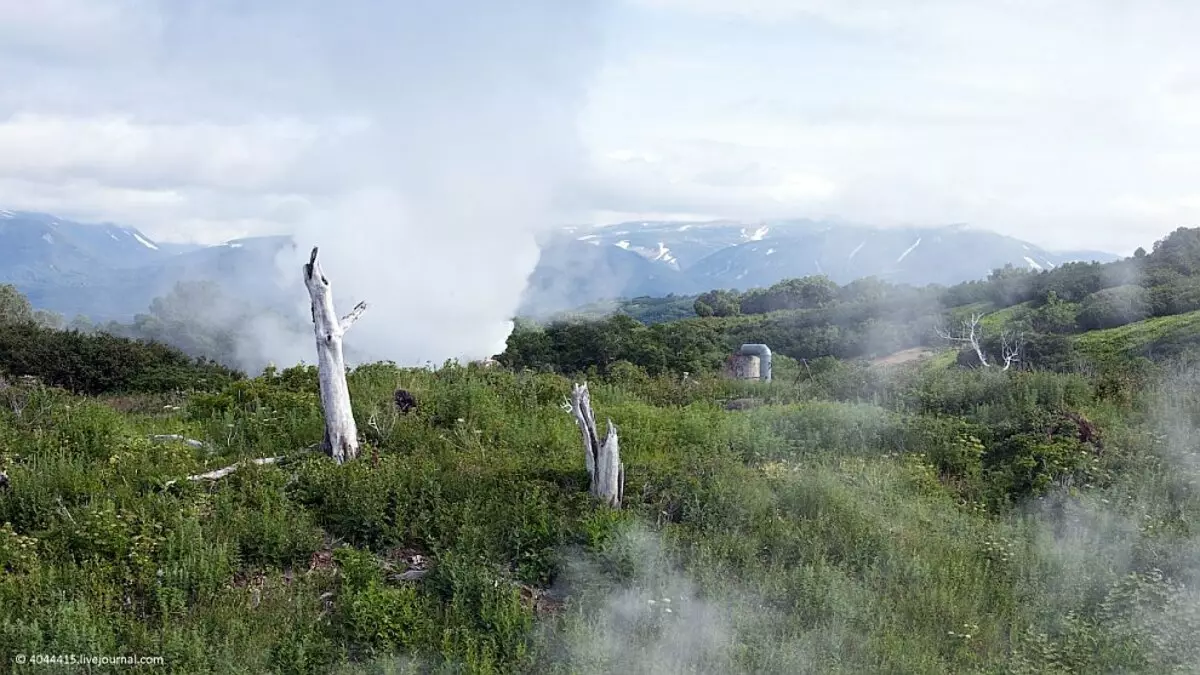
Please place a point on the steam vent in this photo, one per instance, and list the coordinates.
(751, 362)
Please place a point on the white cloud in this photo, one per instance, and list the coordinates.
(434, 140)
(256, 156)
(420, 145)
(1024, 116)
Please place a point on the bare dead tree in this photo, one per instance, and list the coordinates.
(603, 460)
(341, 434)
(1011, 346)
(16, 397)
(970, 332)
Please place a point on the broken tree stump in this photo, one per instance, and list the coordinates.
(341, 434)
(603, 460)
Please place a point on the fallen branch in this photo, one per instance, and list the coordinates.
(221, 473)
(176, 437)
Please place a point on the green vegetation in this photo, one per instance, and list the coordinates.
(811, 318)
(861, 519)
(844, 518)
(1160, 337)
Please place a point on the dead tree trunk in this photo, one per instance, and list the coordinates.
(971, 333)
(341, 434)
(603, 460)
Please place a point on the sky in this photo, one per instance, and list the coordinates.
(1071, 123)
(422, 145)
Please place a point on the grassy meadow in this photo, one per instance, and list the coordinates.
(918, 519)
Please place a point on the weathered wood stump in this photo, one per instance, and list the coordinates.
(341, 433)
(602, 459)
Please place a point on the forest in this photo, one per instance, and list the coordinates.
(852, 515)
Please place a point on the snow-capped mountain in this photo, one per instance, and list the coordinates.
(107, 271)
(729, 254)
(37, 246)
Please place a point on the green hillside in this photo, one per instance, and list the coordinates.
(1158, 337)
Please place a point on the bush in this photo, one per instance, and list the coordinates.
(100, 363)
(1114, 307)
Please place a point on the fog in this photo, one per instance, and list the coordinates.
(422, 145)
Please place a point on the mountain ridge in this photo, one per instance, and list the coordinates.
(697, 256)
(111, 272)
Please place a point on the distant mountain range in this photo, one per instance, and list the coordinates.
(111, 272)
(580, 265)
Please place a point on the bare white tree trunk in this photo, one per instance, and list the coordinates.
(1011, 347)
(971, 333)
(603, 460)
(341, 434)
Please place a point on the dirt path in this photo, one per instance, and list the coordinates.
(905, 356)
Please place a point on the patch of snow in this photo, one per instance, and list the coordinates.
(908, 250)
(663, 253)
(1025, 246)
(143, 241)
(48, 238)
(7, 214)
(588, 237)
(744, 273)
(233, 244)
(684, 228)
(1033, 263)
(113, 236)
(856, 250)
(624, 243)
(757, 235)
(770, 251)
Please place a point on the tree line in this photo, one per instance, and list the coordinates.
(813, 317)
